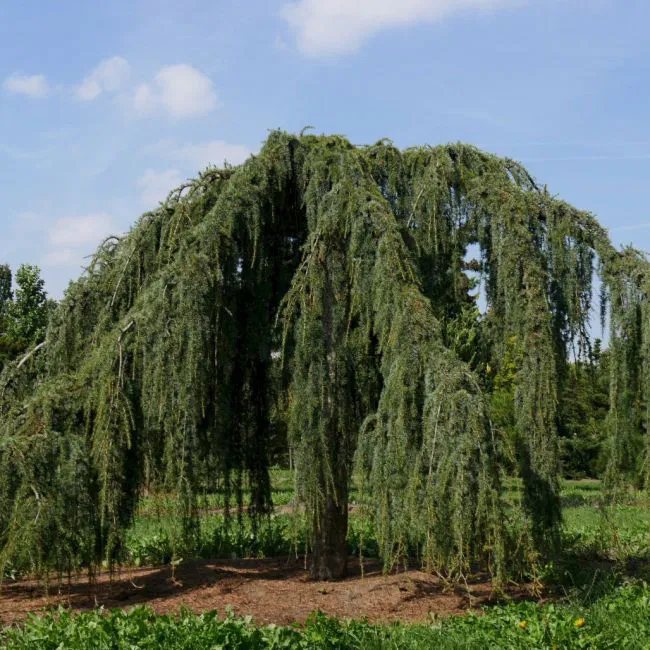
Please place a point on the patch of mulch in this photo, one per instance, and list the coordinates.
(273, 590)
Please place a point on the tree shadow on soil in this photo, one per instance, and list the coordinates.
(586, 577)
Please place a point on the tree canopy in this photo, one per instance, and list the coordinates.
(340, 271)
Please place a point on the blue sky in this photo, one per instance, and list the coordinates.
(105, 106)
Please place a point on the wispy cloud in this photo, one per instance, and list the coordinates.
(188, 160)
(108, 76)
(62, 257)
(80, 231)
(155, 186)
(71, 238)
(213, 152)
(34, 86)
(330, 27)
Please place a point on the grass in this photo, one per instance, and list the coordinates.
(154, 541)
(155, 537)
(589, 528)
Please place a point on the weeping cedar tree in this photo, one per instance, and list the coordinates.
(349, 260)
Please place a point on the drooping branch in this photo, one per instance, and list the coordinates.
(30, 354)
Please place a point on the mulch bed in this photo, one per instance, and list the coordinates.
(274, 590)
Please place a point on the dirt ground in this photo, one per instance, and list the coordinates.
(276, 590)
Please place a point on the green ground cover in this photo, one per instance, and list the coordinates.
(618, 620)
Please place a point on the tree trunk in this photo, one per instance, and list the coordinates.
(330, 554)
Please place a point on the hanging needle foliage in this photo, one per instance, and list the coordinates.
(158, 364)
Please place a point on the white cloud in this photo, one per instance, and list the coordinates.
(63, 257)
(144, 99)
(184, 91)
(179, 90)
(108, 76)
(327, 27)
(155, 186)
(214, 152)
(71, 238)
(35, 86)
(80, 231)
(188, 159)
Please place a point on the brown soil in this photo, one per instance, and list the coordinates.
(276, 590)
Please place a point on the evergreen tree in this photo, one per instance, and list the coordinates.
(351, 261)
(584, 405)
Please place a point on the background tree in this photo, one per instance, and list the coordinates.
(583, 409)
(29, 310)
(5, 287)
(24, 312)
(6, 349)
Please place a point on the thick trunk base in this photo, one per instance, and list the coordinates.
(330, 557)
